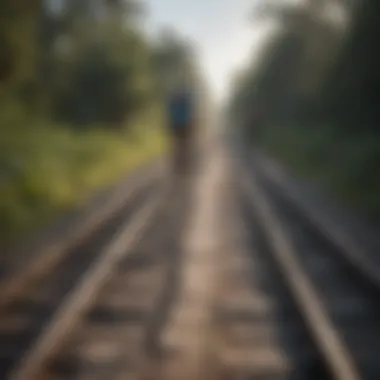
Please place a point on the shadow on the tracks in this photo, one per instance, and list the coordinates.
(291, 338)
(180, 202)
(158, 255)
(38, 307)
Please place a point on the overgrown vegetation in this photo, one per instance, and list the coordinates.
(81, 95)
(63, 168)
(313, 99)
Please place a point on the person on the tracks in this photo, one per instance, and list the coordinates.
(181, 120)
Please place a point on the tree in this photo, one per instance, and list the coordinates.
(18, 48)
(298, 55)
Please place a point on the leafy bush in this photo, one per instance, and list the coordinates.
(58, 169)
(346, 165)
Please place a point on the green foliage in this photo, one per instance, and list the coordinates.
(57, 169)
(313, 99)
(109, 78)
(80, 104)
(173, 61)
(346, 165)
(18, 30)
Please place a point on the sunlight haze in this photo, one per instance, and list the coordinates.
(219, 28)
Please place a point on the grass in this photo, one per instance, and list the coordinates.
(345, 165)
(55, 169)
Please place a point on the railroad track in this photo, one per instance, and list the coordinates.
(266, 336)
(336, 298)
(243, 289)
(233, 319)
(118, 328)
(42, 258)
(47, 304)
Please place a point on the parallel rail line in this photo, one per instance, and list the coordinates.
(70, 313)
(337, 295)
(40, 293)
(56, 250)
(163, 302)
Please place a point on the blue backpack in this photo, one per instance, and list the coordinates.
(180, 111)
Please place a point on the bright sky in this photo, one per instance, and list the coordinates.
(220, 29)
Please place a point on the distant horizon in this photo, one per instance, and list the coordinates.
(220, 30)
